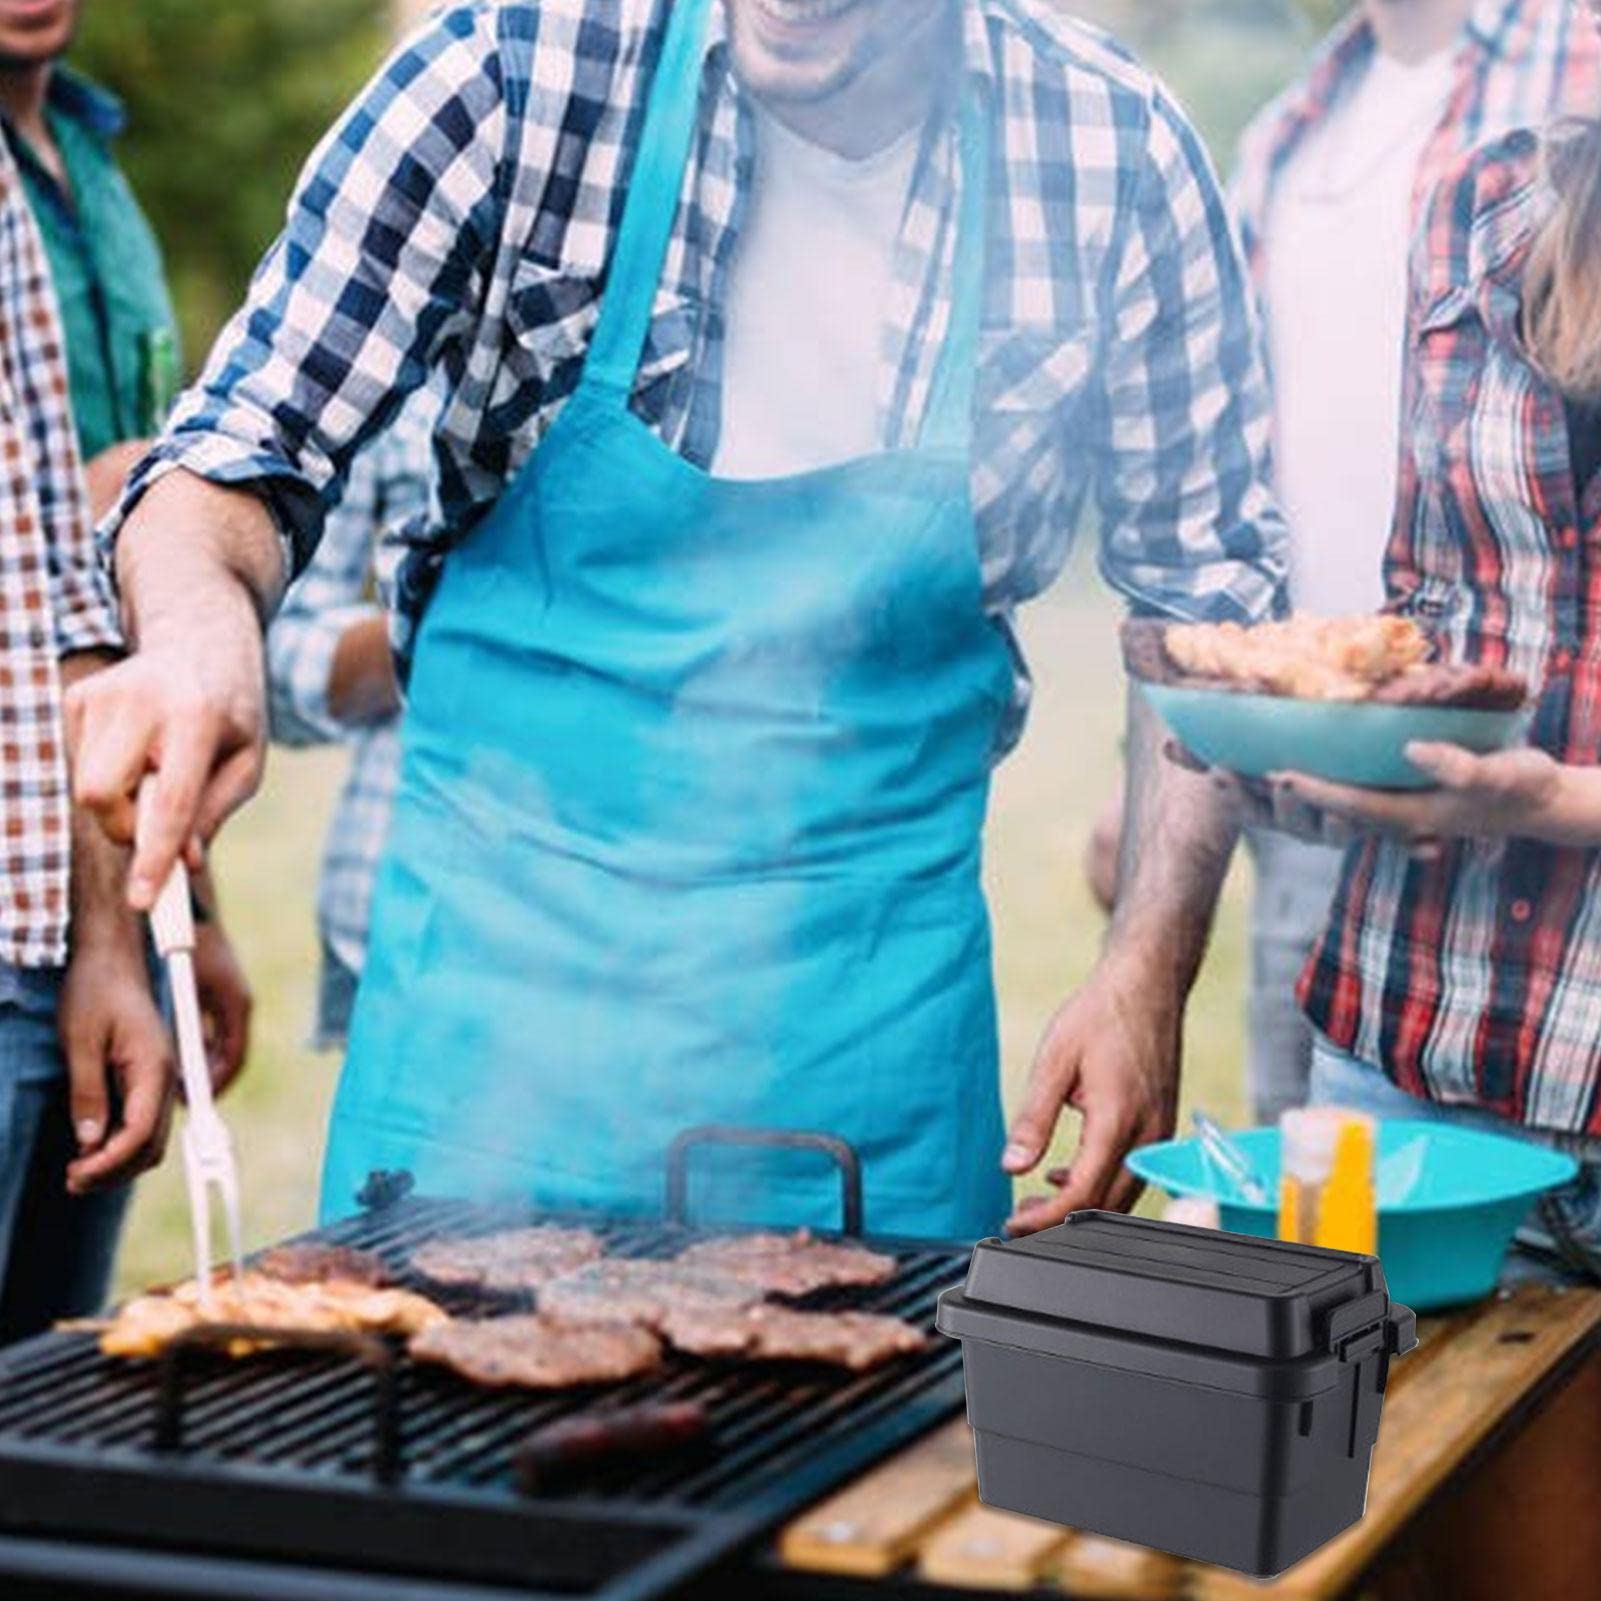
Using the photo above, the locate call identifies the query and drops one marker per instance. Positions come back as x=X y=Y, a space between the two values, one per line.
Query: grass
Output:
x=1047 y=931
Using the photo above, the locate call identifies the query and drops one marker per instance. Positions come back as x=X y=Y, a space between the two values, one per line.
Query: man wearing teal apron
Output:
x=696 y=763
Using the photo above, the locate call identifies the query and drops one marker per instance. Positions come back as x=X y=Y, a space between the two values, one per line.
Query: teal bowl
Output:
x=1348 y=742
x=1450 y=1199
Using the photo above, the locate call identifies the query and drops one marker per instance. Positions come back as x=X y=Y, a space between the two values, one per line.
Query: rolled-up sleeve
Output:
x=1189 y=527
x=375 y=272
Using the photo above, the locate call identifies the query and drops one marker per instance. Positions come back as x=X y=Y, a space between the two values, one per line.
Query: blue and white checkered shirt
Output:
x=388 y=487
x=460 y=218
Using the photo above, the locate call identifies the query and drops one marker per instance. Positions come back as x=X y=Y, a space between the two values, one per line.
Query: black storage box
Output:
x=1213 y=1395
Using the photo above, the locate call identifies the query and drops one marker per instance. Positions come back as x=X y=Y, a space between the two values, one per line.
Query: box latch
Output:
x=1393 y=1334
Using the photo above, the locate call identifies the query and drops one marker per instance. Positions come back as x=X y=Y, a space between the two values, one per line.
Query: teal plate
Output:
x=1348 y=742
x=1450 y=1199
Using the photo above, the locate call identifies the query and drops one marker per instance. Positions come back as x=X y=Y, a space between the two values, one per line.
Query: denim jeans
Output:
x=1294 y=884
x=56 y=1250
x=1560 y=1242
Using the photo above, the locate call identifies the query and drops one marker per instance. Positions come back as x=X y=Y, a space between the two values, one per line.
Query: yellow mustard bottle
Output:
x=1326 y=1188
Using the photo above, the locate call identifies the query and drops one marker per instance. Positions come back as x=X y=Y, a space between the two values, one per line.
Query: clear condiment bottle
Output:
x=1326 y=1190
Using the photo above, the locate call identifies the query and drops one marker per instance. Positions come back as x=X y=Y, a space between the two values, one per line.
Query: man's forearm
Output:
x=1179 y=833
x=191 y=546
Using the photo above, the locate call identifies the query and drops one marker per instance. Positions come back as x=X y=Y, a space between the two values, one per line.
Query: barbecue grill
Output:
x=333 y=1469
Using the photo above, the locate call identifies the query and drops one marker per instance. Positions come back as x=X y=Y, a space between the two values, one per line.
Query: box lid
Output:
x=1101 y=1276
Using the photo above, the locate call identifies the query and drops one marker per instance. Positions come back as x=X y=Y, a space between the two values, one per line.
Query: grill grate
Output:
x=278 y=1450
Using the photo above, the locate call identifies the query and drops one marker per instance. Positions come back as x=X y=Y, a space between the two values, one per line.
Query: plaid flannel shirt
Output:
x=460 y=218
x=1476 y=979
x=53 y=598
x=388 y=489
x=1521 y=64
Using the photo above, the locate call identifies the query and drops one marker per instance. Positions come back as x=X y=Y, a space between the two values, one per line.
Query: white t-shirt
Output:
x=1339 y=239
x=808 y=296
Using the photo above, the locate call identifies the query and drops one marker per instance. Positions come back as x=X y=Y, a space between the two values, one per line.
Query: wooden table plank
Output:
x=1470 y=1376
x=1097 y=1569
x=981 y=1549
x=874 y=1526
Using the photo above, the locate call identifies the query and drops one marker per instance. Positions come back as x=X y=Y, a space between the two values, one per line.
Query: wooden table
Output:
x=1486 y=1482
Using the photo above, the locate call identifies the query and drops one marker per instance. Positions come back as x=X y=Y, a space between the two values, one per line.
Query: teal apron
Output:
x=689 y=824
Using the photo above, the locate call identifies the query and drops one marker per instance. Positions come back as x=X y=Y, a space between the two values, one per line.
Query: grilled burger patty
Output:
x=320 y=1264
x=854 y=1340
x=639 y=1291
x=789 y=1264
x=534 y=1352
x=511 y=1262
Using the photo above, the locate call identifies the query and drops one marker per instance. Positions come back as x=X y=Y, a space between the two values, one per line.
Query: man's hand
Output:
x=1112 y=1054
x=226 y=1003
x=1510 y=793
x=120 y=1066
x=200 y=567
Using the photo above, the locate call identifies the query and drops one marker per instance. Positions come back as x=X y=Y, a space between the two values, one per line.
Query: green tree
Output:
x=225 y=100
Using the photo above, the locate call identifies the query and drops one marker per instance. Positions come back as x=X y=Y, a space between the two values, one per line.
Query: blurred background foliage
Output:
x=226 y=98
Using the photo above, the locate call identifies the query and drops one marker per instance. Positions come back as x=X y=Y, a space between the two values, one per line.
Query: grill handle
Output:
x=839 y=1151
x=377 y=1356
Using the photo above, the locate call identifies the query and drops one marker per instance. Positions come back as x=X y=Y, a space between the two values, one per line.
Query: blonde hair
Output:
x=1562 y=287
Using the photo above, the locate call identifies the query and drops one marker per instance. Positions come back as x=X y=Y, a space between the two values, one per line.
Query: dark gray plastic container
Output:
x=1212 y=1395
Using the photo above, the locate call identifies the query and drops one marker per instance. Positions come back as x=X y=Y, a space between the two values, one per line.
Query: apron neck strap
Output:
x=654 y=187
x=948 y=421
x=654 y=190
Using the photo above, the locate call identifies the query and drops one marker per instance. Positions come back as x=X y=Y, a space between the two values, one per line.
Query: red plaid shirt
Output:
x=1521 y=63
x=1477 y=978
x=53 y=598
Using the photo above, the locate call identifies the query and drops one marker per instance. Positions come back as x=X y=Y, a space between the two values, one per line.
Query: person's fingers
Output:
x=1183 y=756
x=1399 y=813
x=83 y=1041
x=135 y=1145
x=1449 y=766
x=230 y=1016
x=109 y=762
x=169 y=802
x=1036 y=1213
x=1103 y=1142
x=1055 y=1073
x=139 y=1138
x=1124 y=1193
x=234 y=781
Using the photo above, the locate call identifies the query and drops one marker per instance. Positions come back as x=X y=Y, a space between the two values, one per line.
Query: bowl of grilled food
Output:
x=1339 y=698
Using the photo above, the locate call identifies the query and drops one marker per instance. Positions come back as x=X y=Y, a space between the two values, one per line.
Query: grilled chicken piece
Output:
x=1381 y=658
x=512 y=1262
x=641 y=1292
x=789 y=1264
x=144 y=1326
x=854 y=1340
x=536 y=1353
x=322 y=1264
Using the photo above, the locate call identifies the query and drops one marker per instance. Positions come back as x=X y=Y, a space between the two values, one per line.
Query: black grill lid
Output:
x=1126 y=1291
